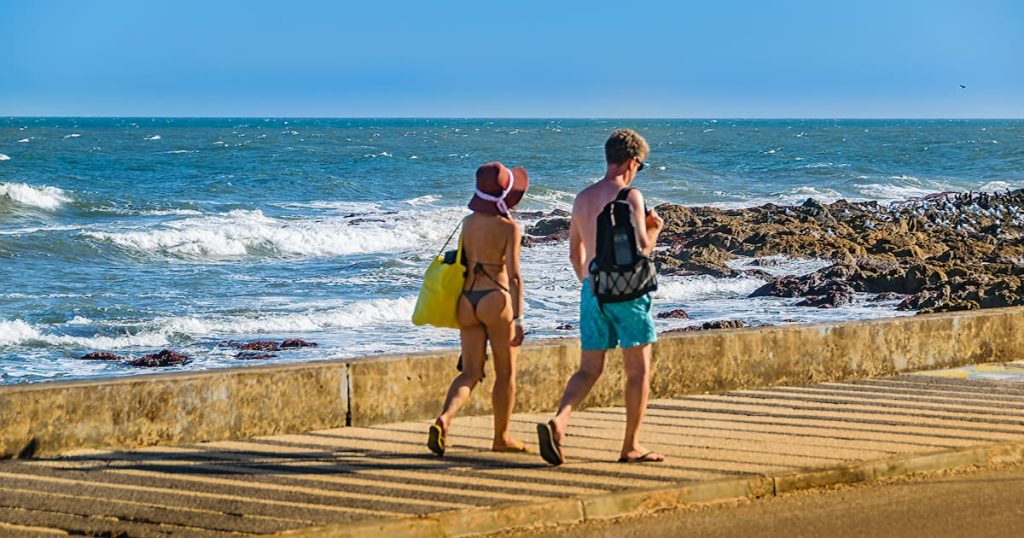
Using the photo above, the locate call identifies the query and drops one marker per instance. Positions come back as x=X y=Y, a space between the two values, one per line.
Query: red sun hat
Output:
x=498 y=188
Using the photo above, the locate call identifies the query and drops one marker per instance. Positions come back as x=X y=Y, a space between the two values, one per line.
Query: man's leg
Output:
x=591 y=367
x=637 y=363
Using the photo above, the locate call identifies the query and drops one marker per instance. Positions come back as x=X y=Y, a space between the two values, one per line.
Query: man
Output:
x=628 y=324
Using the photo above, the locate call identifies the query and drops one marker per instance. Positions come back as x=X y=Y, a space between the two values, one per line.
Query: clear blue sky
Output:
x=519 y=58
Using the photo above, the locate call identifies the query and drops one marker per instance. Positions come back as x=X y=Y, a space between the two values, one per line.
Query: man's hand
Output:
x=654 y=222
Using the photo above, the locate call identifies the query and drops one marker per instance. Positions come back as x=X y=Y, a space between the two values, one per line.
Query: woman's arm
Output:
x=515 y=282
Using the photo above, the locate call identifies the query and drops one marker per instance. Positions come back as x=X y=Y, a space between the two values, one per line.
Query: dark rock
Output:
x=678 y=313
x=163 y=358
x=887 y=296
x=549 y=226
x=296 y=342
x=787 y=286
x=101 y=356
x=564 y=327
x=832 y=299
x=546 y=231
x=260 y=345
x=718 y=324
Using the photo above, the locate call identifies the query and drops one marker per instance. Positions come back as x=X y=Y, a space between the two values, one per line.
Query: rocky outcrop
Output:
x=678 y=313
x=161 y=359
x=950 y=251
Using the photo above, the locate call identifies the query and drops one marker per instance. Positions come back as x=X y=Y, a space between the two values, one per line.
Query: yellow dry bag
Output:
x=442 y=285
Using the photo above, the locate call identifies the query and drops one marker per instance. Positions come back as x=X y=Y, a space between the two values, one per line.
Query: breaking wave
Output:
x=162 y=331
x=45 y=197
x=244 y=233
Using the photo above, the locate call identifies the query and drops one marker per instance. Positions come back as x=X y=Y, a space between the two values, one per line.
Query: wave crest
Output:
x=45 y=197
x=242 y=233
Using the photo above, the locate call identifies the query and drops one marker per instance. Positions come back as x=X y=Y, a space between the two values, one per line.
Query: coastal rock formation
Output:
x=678 y=313
x=264 y=349
x=946 y=251
x=163 y=358
x=555 y=228
x=292 y=343
x=260 y=345
x=710 y=325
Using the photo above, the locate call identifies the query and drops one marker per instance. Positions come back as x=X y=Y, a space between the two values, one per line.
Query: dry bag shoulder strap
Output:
x=449 y=240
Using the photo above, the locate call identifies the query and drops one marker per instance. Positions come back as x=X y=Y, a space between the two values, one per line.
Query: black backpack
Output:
x=619 y=271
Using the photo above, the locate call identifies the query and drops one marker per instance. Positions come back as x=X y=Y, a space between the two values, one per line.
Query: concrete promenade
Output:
x=370 y=480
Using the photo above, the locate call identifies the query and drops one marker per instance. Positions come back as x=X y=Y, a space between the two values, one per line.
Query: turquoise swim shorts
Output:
x=625 y=324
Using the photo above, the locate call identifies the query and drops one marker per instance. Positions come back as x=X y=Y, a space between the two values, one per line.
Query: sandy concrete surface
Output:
x=985 y=503
x=357 y=475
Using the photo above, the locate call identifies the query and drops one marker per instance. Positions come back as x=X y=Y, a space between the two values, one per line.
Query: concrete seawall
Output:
x=54 y=418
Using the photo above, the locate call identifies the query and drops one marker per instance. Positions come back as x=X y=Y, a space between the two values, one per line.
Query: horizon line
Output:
x=591 y=118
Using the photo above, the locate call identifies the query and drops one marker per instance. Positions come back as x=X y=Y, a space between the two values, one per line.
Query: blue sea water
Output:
x=132 y=235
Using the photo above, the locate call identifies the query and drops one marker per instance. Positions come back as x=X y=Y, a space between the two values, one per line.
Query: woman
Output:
x=491 y=305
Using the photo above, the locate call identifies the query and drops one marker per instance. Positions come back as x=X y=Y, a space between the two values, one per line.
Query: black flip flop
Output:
x=645 y=458
x=550 y=450
x=435 y=439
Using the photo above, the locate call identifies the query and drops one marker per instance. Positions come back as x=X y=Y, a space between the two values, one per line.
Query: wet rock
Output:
x=886 y=296
x=161 y=359
x=547 y=231
x=832 y=299
x=292 y=343
x=101 y=356
x=549 y=226
x=719 y=324
x=787 y=286
x=678 y=313
x=564 y=327
x=260 y=345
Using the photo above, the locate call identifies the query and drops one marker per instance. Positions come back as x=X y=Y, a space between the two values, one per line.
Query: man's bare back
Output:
x=583 y=227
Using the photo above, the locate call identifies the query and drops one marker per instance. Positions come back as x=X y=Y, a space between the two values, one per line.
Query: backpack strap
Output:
x=623 y=194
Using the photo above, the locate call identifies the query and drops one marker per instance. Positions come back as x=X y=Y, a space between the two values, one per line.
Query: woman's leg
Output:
x=496 y=312
x=474 y=348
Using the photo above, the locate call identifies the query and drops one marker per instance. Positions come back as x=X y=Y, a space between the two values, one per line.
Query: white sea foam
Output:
x=154 y=137
x=996 y=186
x=4 y=157
x=24 y=140
x=690 y=288
x=45 y=197
x=894 y=193
x=241 y=233
x=349 y=315
x=159 y=332
x=72 y=135
x=794 y=196
x=16 y=332
x=176 y=151
x=779 y=265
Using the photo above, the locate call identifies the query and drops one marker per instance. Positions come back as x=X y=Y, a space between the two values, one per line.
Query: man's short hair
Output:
x=623 y=145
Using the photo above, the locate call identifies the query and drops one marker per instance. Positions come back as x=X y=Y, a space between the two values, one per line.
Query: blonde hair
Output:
x=623 y=145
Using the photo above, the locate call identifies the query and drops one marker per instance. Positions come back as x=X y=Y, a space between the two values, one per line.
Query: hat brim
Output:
x=520 y=183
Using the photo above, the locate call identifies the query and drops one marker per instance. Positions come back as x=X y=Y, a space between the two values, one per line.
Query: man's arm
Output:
x=577 y=252
x=647 y=226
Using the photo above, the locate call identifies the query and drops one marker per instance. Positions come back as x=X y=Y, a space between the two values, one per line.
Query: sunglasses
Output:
x=642 y=165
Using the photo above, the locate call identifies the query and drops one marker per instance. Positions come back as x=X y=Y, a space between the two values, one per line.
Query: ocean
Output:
x=133 y=235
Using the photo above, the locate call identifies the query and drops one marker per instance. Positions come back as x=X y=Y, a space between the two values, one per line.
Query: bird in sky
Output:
x=962 y=86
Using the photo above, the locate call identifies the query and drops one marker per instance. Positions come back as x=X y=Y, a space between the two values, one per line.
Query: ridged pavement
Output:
x=331 y=478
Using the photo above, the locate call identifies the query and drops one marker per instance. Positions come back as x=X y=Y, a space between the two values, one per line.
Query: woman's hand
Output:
x=517 y=335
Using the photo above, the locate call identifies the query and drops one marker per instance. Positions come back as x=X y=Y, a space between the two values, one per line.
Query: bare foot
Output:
x=509 y=445
x=640 y=455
